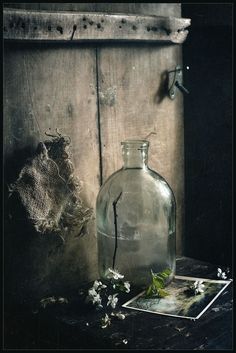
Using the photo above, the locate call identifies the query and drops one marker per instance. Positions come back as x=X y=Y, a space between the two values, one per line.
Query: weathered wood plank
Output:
x=53 y=87
x=71 y=26
x=134 y=103
x=159 y=9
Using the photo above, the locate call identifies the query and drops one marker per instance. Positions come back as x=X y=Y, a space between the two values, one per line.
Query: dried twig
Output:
x=115 y=223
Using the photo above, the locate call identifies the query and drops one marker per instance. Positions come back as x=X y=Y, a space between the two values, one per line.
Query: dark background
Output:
x=208 y=132
x=208 y=184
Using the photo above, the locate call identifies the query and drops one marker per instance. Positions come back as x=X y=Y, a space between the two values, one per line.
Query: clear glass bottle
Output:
x=135 y=215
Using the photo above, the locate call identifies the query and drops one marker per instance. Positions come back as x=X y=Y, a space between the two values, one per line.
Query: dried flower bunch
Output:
x=105 y=296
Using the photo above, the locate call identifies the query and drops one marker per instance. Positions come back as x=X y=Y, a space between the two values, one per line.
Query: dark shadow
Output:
x=208 y=134
x=162 y=91
x=15 y=161
x=25 y=250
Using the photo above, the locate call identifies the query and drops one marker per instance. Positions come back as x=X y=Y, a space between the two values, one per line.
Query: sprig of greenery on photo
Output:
x=156 y=288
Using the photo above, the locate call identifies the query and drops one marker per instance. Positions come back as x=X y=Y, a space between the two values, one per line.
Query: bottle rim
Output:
x=135 y=143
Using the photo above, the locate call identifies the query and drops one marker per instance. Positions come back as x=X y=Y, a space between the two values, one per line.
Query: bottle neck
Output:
x=135 y=154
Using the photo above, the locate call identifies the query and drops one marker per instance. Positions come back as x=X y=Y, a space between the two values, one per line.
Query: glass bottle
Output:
x=135 y=215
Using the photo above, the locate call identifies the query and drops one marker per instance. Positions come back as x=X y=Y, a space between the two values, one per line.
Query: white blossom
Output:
x=92 y=292
x=123 y=286
x=45 y=301
x=125 y=341
x=62 y=300
x=112 y=300
x=97 y=300
x=95 y=297
x=106 y=321
x=97 y=285
x=198 y=287
x=113 y=274
x=127 y=287
x=221 y=274
x=119 y=315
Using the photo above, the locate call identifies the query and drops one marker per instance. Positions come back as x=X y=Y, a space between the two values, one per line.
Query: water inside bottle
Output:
x=136 y=256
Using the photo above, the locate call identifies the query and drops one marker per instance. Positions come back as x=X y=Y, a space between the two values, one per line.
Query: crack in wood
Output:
x=73 y=32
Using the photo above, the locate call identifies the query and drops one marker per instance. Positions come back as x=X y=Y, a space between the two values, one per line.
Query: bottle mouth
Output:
x=136 y=144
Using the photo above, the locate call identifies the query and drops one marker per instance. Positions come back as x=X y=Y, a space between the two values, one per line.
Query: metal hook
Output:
x=175 y=80
x=181 y=87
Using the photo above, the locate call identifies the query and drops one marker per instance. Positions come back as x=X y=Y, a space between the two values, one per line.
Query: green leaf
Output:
x=158 y=283
x=149 y=291
x=163 y=274
x=163 y=293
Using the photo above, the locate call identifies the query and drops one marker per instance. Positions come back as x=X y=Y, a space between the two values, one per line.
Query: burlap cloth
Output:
x=49 y=190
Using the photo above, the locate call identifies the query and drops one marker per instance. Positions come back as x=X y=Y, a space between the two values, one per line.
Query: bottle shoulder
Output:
x=163 y=186
x=161 y=179
x=135 y=179
x=112 y=178
x=108 y=182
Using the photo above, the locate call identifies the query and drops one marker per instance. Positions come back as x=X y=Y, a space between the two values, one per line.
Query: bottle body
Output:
x=135 y=215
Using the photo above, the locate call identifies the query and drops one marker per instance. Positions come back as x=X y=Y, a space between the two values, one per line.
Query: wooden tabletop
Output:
x=77 y=326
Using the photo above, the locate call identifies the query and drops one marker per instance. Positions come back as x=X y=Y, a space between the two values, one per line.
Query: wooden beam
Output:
x=82 y=27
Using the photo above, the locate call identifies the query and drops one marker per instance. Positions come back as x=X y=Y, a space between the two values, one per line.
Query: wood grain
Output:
x=158 y=9
x=47 y=88
x=50 y=84
x=72 y=26
x=132 y=105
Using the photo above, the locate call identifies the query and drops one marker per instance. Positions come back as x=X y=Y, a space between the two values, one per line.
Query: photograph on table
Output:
x=186 y=297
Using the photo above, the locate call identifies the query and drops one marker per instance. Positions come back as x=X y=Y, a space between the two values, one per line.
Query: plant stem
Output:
x=115 y=223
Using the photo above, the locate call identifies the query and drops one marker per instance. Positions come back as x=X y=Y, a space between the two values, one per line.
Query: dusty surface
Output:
x=77 y=326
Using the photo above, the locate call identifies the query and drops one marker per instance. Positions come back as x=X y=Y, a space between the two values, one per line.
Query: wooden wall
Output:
x=161 y=9
x=99 y=95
